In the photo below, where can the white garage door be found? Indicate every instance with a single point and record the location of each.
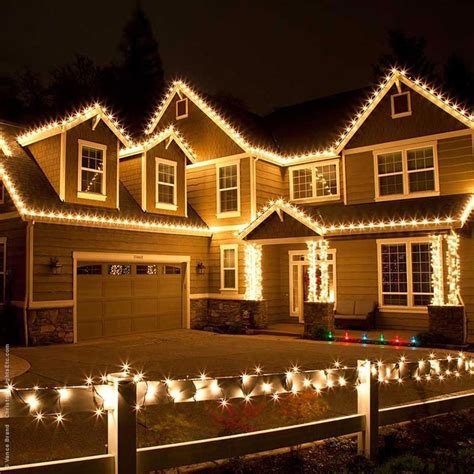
(126, 298)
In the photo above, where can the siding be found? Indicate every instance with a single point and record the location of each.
(206, 139)
(269, 180)
(103, 135)
(202, 194)
(456, 165)
(131, 176)
(360, 177)
(47, 154)
(60, 241)
(172, 153)
(467, 280)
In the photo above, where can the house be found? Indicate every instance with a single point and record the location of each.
(218, 214)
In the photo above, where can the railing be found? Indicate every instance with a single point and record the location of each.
(125, 394)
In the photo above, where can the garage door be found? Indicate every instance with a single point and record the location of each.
(126, 298)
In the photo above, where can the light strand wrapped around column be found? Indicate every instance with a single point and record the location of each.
(437, 270)
(253, 272)
(312, 270)
(324, 269)
(453, 269)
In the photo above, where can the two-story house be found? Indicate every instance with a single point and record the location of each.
(216, 208)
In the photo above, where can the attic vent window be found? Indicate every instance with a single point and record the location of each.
(181, 108)
(401, 105)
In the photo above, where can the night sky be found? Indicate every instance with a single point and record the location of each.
(268, 53)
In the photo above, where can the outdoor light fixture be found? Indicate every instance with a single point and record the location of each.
(55, 266)
(200, 268)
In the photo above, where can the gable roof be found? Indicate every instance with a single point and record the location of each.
(35, 199)
(169, 133)
(57, 126)
(336, 219)
(308, 131)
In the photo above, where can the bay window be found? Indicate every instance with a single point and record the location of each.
(316, 181)
(406, 172)
(404, 272)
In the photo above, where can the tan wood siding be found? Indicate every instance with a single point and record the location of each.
(15, 232)
(104, 136)
(456, 165)
(61, 241)
(131, 176)
(426, 119)
(360, 177)
(47, 154)
(206, 139)
(202, 194)
(172, 153)
(466, 251)
(269, 182)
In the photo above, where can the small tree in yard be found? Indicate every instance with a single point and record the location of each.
(237, 418)
(303, 407)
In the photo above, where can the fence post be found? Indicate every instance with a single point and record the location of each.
(122, 424)
(368, 405)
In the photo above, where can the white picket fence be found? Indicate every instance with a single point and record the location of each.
(124, 458)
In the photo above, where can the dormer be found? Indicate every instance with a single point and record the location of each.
(154, 172)
(79, 156)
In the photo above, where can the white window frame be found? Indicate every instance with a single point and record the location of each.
(165, 205)
(409, 308)
(102, 196)
(405, 172)
(313, 166)
(226, 214)
(185, 115)
(235, 248)
(392, 105)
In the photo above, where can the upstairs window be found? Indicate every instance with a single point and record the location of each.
(318, 181)
(166, 196)
(91, 176)
(229, 261)
(181, 109)
(228, 195)
(401, 105)
(406, 172)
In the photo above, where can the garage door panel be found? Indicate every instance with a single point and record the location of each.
(119, 286)
(111, 305)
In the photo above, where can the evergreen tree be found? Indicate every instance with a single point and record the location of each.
(459, 80)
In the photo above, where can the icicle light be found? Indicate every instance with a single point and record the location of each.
(253, 272)
(324, 270)
(312, 270)
(437, 270)
(453, 268)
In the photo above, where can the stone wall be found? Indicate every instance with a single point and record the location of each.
(318, 314)
(219, 313)
(449, 322)
(50, 326)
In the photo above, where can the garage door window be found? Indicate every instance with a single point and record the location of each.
(117, 270)
(147, 269)
(89, 269)
(171, 270)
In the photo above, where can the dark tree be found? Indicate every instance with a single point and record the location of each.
(139, 80)
(406, 52)
(459, 80)
(75, 84)
(10, 105)
(32, 96)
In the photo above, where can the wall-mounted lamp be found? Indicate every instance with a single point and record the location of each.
(55, 266)
(200, 268)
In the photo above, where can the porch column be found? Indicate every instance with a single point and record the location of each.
(324, 268)
(453, 268)
(312, 271)
(437, 269)
(253, 272)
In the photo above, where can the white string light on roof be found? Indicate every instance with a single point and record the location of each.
(4, 147)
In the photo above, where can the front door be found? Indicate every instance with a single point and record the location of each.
(299, 280)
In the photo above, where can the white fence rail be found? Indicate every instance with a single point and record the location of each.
(124, 458)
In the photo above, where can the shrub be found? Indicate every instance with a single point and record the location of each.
(406, 463)
(319, 333)
(237, 417)
(304, 407)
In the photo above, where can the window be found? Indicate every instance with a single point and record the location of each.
(89, 269)
(406, 172)
(181, 109)
(91, 175)
(229, 277)
(401, 105)
(228, 195)
(166, 184)
(318, 181)
(405, 273)
(171, 270)
(117, 270)
(147, 269)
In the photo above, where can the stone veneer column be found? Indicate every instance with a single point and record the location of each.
(319, 314)
(448, 321)
(50, 326)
